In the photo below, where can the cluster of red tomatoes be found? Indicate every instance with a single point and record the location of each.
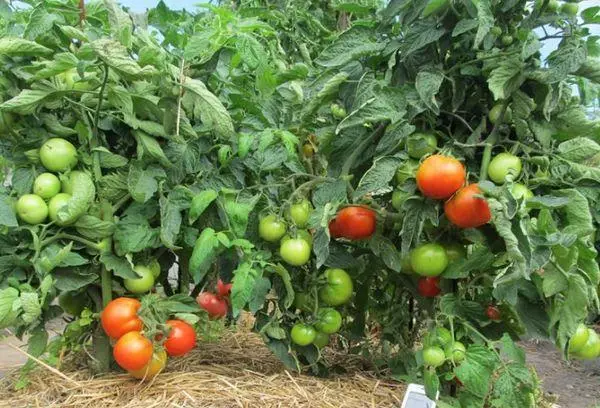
(133, 351)
(216, 304)
(317, 327)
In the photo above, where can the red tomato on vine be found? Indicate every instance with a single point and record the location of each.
(353, 223)
(120, 317)
(133, 351)
(467, 209)
(215, 305)
(181, 339)
(493, 313)
(224, 289)
(429, 287)
(439, 176)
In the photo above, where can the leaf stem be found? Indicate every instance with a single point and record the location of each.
(70, 237)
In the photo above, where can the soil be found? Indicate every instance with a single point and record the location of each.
(573, 384)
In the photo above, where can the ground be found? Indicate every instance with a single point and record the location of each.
(574, 384)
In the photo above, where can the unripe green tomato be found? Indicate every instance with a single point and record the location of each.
(579, 339)
(303, 234)
(154, 266)
(338, 111)
(271, 228)
(399, 197)
(105, 245)
(521, 192)
(552, 6)
(303, 334)
(300, 213)
(507, 40)
(295, 251)
(55, 204)
(443, 336)
(421, 144)
(58, 154)
(494, 114)
(143, 284)
(338, 288)
(456, 352)
(329, 320)
(32, 209)
(429, 260)
(321, 340)
(591, 349)
(495, 30)
(434, 356)
(407, 170)
(502, 165)
(46, 185)
(570, 9)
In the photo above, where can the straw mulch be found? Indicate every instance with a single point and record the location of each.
(236, 371)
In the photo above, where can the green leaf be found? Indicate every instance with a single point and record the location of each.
(93, 227)
(287, 282)
(355, 43)
(121, 267)
(7, 214)
(479, 260)
(121, 26)
(464, 26)
(170, 214)
(134, 234)
(428, 84)
(420, 35)
(565, 60)
(259, 294)
(514, 388)
(13, 46)
(238, 213)
(143, 183)
(476, 370)
(376, 180)
(28, 101)
(321, 94)
(506, 78)
(200, 203)
(206, 249)
(418, 212)
(148, 146)
(32, 310)
(41, 22)
(245, 278)
(212, 111)
(9, 306)
(116, 56)
(432, 383)
(386, 251)
(572, 310)
(485, 17)
(72, 279)
(73, 33)
(355, 6)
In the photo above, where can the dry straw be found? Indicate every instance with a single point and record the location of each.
(236, 371)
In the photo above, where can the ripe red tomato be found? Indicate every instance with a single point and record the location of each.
(120, 317)
(182, 338)
(224, 289)
(429, 287)
(215, 305)
(440, 176)
(133, 351)
(493, 313)
(354, 223)
(466, 210)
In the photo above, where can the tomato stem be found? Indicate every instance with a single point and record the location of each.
(490, 142)
(58, 237)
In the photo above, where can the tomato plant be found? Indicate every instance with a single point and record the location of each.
(181, 338)
(439, 177)
(190, 158)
